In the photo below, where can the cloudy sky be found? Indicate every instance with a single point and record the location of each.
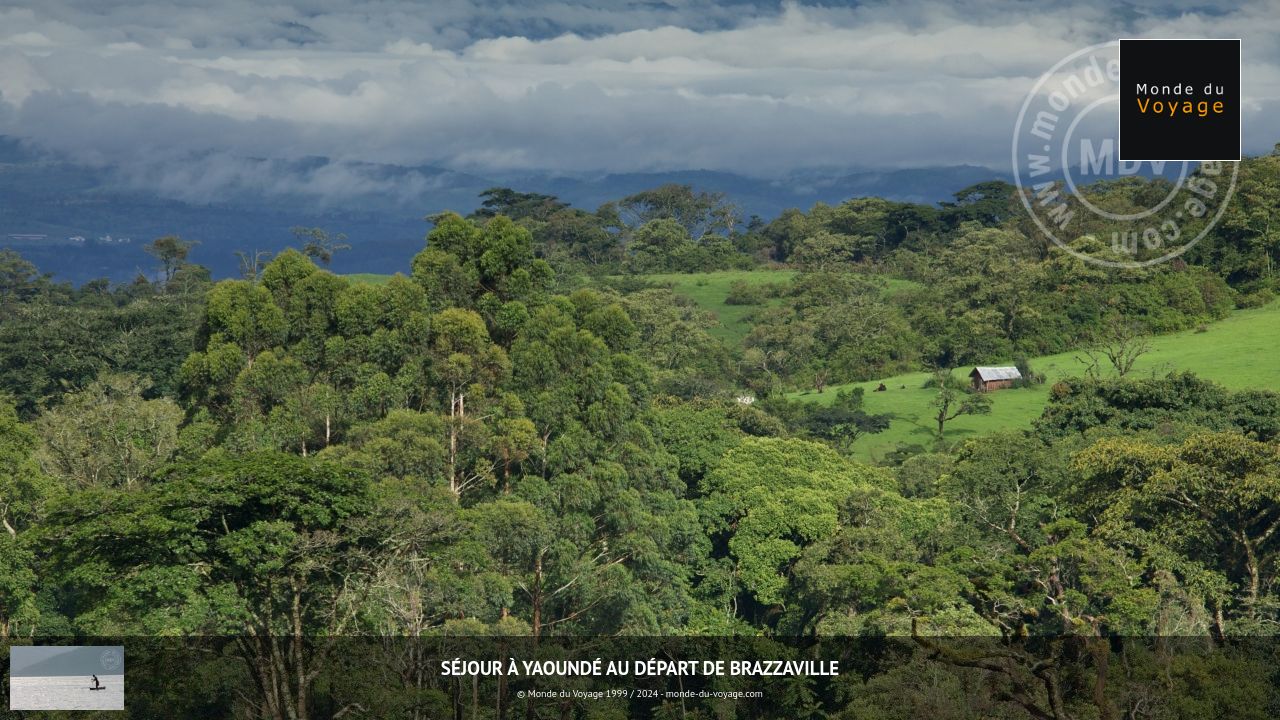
(760, 88)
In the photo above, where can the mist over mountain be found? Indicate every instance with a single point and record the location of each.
(56, 661)
(82, 221)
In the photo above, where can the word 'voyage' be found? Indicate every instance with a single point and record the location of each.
(1180, 107)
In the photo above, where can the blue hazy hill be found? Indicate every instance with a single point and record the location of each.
(61, 661)
(81, 222)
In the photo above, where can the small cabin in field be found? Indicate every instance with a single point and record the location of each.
(986, 379)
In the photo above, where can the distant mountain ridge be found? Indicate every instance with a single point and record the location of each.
(82, 222)
(71, 661)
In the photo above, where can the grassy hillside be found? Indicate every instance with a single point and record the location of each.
(1238, 352)
(709, 290)
(370, 278)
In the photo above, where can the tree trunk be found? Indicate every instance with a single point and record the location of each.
(457, 413)
(1219, 633)
(1100, 648)
(300, 668)
(457, 699)
(536, 599)
(1251, 567)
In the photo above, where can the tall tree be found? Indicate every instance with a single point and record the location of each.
(698, 212)
(22, 486)
(108, 434)
(24, 492)
(19, 279)
(467, 364)
(769, 498)
(246, 314)
(1212, 501)
(952, 401)
(268, 548)
(171, 251)
(517, 205)
(318, 244)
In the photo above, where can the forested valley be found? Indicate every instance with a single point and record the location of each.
(529, 435)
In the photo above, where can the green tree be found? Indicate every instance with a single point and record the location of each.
(517, 205)
(673, 335)
(464, 264)
(466, 363)
(52, 344)
(1211, 502)
(579, 235)
(246, 314)
(1245, 244)
(697, 212)
(269, 548)
(844, 421)
(951, 401)
(406, 444)
(1174, 401)
(318, 244)
(769, 498)
(19, 279)
(825, 251)
(880, 571)
(1038, 576)
(18, 585)
(108, 435)
(24, 490)
(171, 251)
(987, 202)
(655, 245)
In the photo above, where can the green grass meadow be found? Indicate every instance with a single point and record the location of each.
(369, 278)
(709, 290)
(1242, 351)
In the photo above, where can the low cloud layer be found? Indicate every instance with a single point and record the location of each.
(755, 88)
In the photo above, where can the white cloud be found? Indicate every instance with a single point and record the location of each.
(754, 88)
(18, 77)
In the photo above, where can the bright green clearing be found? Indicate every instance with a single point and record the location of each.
(1242, 351)
(709, 290)
(369, 278)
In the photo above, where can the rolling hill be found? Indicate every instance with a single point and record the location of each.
(1238, 352)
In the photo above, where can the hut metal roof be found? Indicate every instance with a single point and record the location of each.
(996, 373)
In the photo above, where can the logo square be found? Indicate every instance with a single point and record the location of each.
(1179, 100)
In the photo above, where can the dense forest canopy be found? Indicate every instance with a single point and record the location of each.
(527, 435)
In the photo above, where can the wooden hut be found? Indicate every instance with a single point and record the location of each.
(986, 379)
